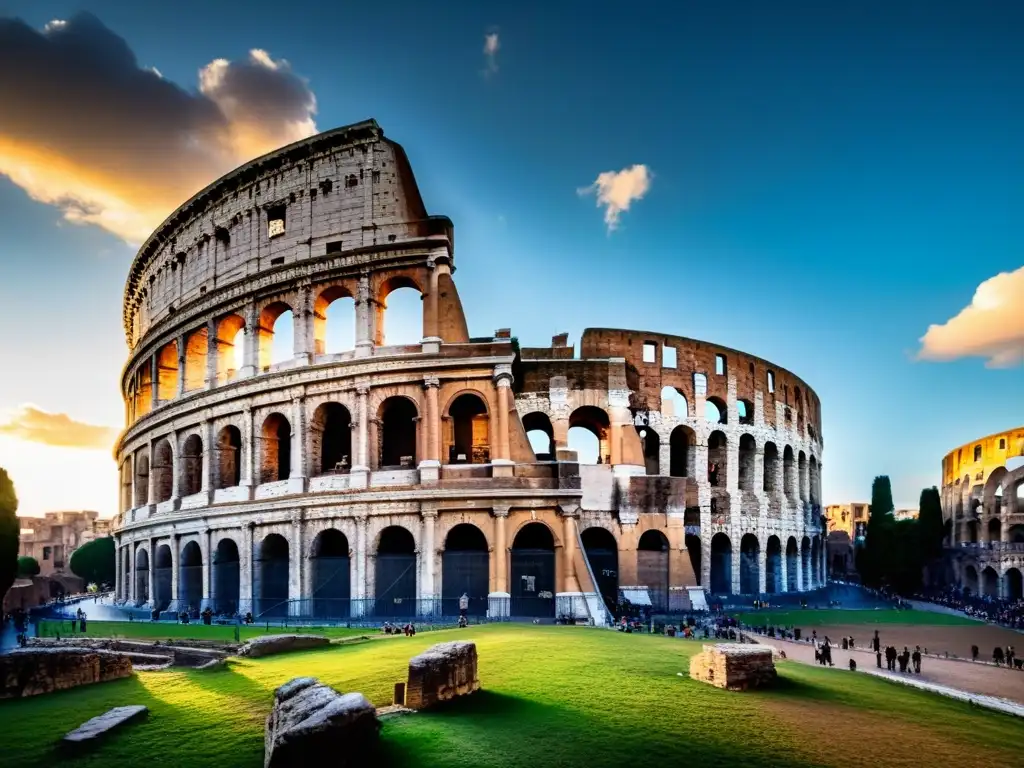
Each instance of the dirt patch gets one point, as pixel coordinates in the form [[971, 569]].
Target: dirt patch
[[870, 740]]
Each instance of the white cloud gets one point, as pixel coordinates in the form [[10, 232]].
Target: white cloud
[[35, 425], [491, 46], [617, 190], [992, 326], [85, 128]]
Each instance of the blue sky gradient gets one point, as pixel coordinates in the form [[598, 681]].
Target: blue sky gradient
[[827, 183]]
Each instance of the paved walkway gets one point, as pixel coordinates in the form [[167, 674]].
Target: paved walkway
[[985, 685]]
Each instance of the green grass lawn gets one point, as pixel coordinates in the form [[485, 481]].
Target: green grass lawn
[[837, 617], [164, 631], [560, 696]]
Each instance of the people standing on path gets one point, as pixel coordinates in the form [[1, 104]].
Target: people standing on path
[[916, 658]]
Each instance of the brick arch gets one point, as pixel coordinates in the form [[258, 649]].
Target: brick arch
[[344, 525], [481, 389], [384, 282], [541, 517], [409, 391], [448, 520], [410, 521]]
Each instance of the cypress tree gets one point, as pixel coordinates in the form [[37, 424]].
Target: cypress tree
[[10, 532]]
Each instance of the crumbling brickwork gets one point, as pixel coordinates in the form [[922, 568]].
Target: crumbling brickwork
[[734, 667], [440, 674]]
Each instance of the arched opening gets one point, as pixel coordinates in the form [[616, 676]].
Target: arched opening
[[815, 481], [652, 567], [163, 470], [693, 547], [226, 578], [603, 556], [331, 575], [651, 445], [167, 372], [192, 466], [716, 411], [1016, 534], [126, 575], [805, 563], [773, 566], [541, 435], [196, 348], [271, 577], [1014, 590], [399, 313], [276, 335], [465, 570], [144, 390], [718, 457], [398, 419], [681, 453], [747, 454], [589, 431], [970, 580], [990, 582], [396, 573], [994, 529], [750, 566], [532, 585], [331, 433], [141, 577], [972, 531], [745, 411], [721, 564], [190, 579], [229, 457], [771, 467], [163, 575], [230, 348], [673, 404], [792, 565], [141, 480], [466, 433], [788, 472], [334, 321], [802, 475], [276, 445]]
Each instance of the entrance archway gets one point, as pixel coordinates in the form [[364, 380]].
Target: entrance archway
[[721, 564], [465, 570], [750, 567], [190, 579], [1013, 584], [141, 577], [652, 567], [331, 575], [163, 574], [271, 577], [603, 556], [395, 573], [532, 584], [693, 547], [792, 565], [226, 578], [773, 566]]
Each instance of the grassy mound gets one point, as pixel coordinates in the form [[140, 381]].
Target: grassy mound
[[841, 617], [552, 696]]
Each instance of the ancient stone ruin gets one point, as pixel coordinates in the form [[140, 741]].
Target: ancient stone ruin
[[32, 671], [441, 673], [310, 721], [95, 729], [271, 644], [734, 667]]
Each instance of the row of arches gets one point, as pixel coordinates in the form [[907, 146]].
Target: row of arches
[[989, 583]]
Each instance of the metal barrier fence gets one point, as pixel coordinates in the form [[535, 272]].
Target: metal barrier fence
[[368, 611]]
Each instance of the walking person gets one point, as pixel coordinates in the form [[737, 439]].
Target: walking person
[[916, 658]]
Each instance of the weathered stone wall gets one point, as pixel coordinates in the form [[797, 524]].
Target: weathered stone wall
[[32, 671], [441, 673], [271, 644], [734, 667]]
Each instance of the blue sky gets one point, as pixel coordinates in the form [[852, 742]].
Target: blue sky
[[827, 183]]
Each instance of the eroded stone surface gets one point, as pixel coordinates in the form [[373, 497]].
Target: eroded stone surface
[[734, 667], [271, 644], [311, 720], [442, 673], [93, 730], [32, 671]]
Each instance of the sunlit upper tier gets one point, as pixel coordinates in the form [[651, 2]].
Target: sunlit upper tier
[[346, 192], [972, 463]]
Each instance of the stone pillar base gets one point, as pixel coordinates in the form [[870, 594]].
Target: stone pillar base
[[572, 605], [430, 471], [359, 477], [503, 468], [498, 605], [431, 345], [296, 485], [364, 348]]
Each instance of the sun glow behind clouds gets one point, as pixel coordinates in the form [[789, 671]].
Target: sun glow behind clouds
[[47, 478]]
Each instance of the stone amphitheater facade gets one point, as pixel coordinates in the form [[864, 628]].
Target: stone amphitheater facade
[[983, 507], [394, 479]]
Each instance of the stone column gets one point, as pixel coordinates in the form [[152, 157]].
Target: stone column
[[152, 572], [251, 349], [498, 601], [430, 306], [175, 542], [784, 570], [206, 428], [372, 432], [298, 468], [799, 564], [248, 452], [427, 592], [245, 595], [431, 385], [364, 335], [569, 583], [132, 579], [154, 377], [212, 354], [503, 381], [205, 538], [296, 561], [361, 465], [182, 357], [303, 332], [762, 570], [737, 559], [118, 568], [359, 608]]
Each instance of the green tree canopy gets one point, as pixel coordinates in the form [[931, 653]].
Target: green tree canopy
[[931, 524], [874, 558], [27, 567], [95, 562], [10, 532]]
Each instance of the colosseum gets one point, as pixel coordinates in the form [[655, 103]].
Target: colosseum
[[392, 479], [983, 508]]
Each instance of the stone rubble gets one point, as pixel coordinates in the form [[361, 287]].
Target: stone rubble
[[734, 667], [310, 721], [268, 645], [441, 673], [96, 728], [32, 671]]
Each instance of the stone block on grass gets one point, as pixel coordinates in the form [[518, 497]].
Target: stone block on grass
[[268, 645], [33, 671], [311, 722], [91, 731], [734, 667], [442, 673]]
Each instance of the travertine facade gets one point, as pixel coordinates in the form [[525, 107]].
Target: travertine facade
[[983, 507], [389, 480]]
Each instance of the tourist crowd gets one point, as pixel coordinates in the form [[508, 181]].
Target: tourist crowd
[[1008, 613]]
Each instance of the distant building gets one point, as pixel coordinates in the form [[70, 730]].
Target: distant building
[[852, 519], [905, 514], [52, 538]]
